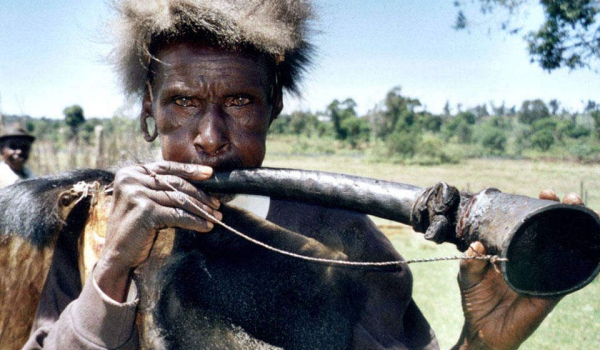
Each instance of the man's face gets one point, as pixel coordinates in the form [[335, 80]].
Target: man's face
[[211, 106], [15, 152]]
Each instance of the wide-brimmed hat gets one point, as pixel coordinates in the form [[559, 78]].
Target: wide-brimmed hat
[[15, 131]]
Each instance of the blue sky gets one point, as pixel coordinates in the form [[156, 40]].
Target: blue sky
[[52, 57]]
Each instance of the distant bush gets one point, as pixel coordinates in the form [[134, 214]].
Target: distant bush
[[585, 152], [357, 131], [432, 151], [577, 131], [459, 128], [542, 139], [402, 143], [430, 122], [312, 146], [493, 141]]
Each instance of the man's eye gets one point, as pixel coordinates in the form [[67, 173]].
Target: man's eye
[[237, 101], [183, 101]]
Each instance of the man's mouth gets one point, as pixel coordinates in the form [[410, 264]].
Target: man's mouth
[[222, 162], [17, 158]]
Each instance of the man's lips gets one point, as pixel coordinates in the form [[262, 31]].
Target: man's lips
[[222, 161], [17, 158]]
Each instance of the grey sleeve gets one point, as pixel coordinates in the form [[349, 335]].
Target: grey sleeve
[[69, 317], [92, 321]]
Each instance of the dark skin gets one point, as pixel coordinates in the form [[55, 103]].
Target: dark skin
[[213, 109], [15, 153]]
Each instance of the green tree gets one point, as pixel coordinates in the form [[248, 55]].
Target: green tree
[[542, 139], [303, 123], [532, 111], [593, 110], [338, 112], [568, 128], [357, 131], [281, 125], [459, 128], [554, 106], [431, 151], [399, 112], [499, 110], [569, 36], [74, 118], [480, 112], [545, 133], [403, 142], [493, 140], [447, 110], [347, 125], [430, 122]]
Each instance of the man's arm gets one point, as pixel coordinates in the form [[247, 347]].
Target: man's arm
[[390, 318], [69, 317], [101, 317], [92, 321]]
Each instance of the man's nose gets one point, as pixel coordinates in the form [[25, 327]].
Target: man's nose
[[212, 132]]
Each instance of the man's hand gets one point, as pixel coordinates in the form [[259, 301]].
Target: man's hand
[[495, 316], [142, 206]]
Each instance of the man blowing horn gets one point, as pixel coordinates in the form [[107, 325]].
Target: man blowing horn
[[211, 75]]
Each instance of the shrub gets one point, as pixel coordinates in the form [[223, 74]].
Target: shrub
[[357, 131], [493, 141], [457, 129], [432, 151], [579, 131], [542, 139], [585, 152], [403, 143]]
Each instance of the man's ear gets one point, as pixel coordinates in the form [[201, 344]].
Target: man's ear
[[147, 113], [146, 105], [277, 103]]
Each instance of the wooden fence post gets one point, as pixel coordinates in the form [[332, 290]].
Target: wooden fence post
[[100, 153]]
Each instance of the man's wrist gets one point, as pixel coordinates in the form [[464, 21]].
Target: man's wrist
[[466, 342], [114, 281]]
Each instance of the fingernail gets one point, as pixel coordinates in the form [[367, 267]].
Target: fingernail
[[205, 170], [216, 202], [210, 225], [572, 198], [471, 252], [218, 215], [549, 195]]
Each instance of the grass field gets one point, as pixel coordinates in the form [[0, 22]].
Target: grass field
[[574, 324]]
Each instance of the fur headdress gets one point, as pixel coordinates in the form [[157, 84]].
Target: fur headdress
[[277, 28]]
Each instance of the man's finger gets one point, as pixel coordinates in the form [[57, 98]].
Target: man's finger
[[183, 170], [572, 198], [165, 182], [177, 217], [472, 271], [183, 201], [549, 195]]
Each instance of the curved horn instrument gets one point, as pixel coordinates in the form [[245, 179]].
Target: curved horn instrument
[[552, 248]]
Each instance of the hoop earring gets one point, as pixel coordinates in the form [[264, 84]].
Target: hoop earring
[[144, 125]]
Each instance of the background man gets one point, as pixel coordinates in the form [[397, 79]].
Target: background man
[[15, 145]]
